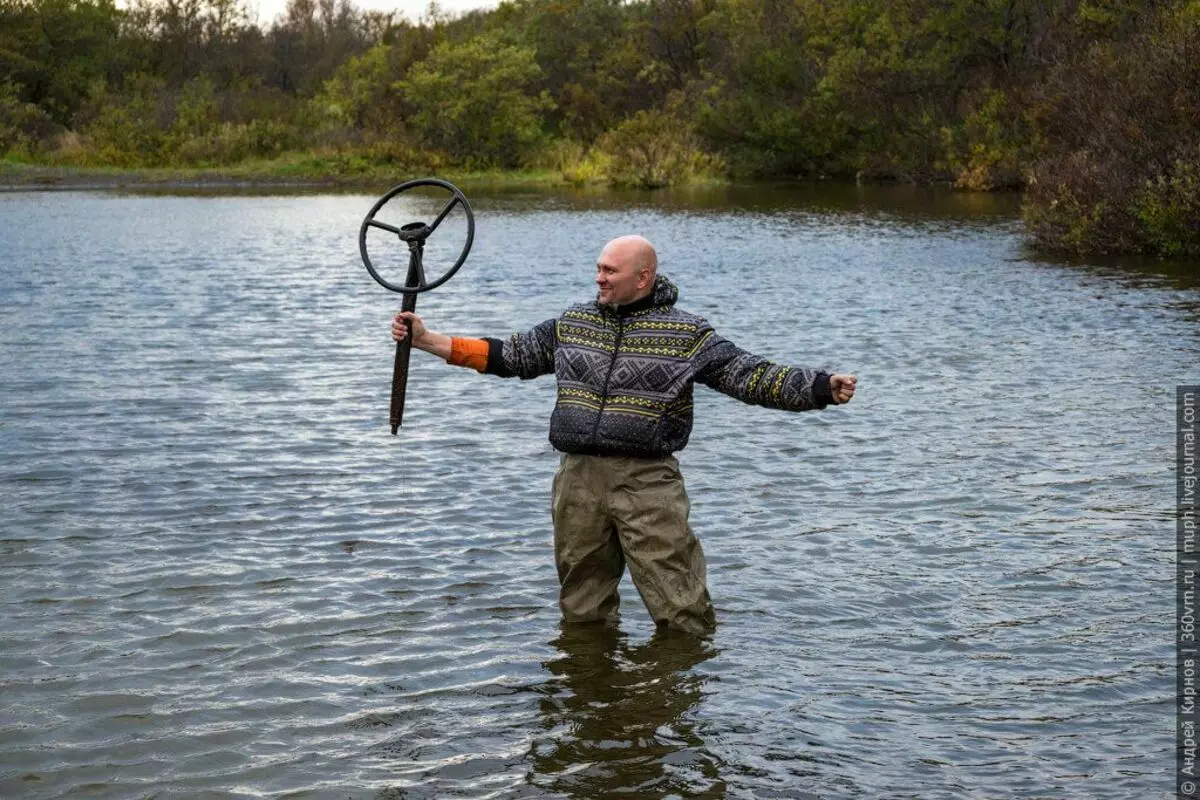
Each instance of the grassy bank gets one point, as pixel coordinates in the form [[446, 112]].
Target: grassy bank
[[300, 170]]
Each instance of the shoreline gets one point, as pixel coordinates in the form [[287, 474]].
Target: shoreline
[[322, 172], [15, 176]]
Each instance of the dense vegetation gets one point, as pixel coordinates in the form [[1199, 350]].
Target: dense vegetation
[[1093, 105]]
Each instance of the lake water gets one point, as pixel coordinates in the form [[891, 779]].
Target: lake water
[[222, 577]]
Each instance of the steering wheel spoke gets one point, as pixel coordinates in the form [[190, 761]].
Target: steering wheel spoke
[[374, 223], [449, 206]]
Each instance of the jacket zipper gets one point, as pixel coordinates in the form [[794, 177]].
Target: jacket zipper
[[607, 377]]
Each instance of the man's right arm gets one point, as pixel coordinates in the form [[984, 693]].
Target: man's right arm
[[423, 339], [523, 355]]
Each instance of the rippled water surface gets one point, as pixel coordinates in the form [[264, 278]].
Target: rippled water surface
[[222, 577]]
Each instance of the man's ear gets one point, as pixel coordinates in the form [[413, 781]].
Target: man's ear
[[644, 278]]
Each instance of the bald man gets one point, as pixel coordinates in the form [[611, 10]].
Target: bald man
[[626, 364]]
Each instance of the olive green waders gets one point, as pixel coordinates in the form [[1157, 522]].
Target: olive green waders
[[611, 510]]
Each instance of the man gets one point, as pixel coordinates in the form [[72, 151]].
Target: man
[[625, 366]]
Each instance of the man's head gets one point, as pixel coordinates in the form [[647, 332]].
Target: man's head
[[625, 270]]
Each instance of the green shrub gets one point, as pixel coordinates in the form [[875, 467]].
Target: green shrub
[[653, 149], [477, 103], [1168, 208], [23, 126], [229, 143], [577, 163], [987, 151], [123, 129]]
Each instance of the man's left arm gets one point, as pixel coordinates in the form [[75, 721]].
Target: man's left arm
[[753, 379]]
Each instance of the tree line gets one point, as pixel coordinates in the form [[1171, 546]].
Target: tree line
[[1092, 106]]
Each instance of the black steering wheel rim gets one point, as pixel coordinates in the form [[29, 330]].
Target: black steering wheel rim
[[457, 198]]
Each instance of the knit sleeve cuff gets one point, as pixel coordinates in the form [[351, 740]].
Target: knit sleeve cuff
[[822, 394], [495, 359]]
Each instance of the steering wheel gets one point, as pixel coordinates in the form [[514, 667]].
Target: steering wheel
[[414, 235]]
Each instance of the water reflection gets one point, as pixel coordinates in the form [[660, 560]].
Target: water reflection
[[1127, 271], [620, 717]]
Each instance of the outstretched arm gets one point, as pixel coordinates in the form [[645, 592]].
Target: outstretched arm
[[523, 355], [753, 379]]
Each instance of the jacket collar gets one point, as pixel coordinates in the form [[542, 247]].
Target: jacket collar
[[664, 293], [636, 306]]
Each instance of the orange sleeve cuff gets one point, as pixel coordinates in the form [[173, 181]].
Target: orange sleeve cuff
[[471, 353]]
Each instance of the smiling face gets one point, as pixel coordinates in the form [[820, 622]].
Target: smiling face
[[625, 271]]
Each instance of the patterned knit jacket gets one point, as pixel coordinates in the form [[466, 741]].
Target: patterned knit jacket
[[625, 375]]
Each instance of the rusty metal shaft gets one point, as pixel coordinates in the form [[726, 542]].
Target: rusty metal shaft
[[404, 348]]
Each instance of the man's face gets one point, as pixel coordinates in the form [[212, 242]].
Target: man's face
[[619, 277]]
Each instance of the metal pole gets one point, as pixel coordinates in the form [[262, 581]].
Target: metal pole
[[404, 348]]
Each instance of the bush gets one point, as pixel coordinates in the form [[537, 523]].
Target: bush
[[23, 126], [1120, 152], [475, 102], [123, 130], [229, 143], [987, 151], [1168, 208], [653, 149], [577, 163]]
